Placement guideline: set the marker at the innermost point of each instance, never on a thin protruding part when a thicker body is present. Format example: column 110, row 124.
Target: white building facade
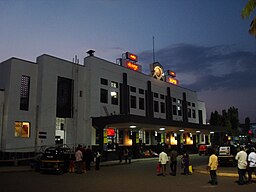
column 98, row 103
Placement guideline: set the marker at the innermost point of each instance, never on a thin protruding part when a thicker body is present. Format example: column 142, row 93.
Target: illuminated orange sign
column 173, row 81
column 132, row 66
column 171, row 73
column 131, row 56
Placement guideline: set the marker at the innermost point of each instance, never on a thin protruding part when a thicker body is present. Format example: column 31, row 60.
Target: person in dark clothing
column 120, row 154
column 97, row 160
column 88, row 158
column 126, row 154
column 173, row 162
column 185, row 163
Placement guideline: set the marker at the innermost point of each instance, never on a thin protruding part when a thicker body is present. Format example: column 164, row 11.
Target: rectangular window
column 103, row 96
column 174, row 110
column 189, row 113
column 174, row 100
column 141, row 91
column 65, row 97
column 162, row 104
column 156, row 106
column 114, row 98
column 22, row 129
column 194, row 113
column 133, row 89
column 133, row 102
column 141, row 103
column 156, row 95
column 114, row 84
column 161, row 96
column 103, row 81
column 189, row 104
column 179, row 101
column 24, row 92
column 179, row 111
column 193, row 104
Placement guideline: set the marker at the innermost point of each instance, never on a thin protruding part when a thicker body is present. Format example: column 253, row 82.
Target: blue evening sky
column 206, row 42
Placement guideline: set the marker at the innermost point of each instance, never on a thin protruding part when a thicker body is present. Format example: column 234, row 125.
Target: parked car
column 203, row 150
column 56, row 159
column 226, row 155
column 150, row 153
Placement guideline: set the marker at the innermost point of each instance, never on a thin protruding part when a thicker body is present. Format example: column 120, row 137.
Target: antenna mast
column 153, row 49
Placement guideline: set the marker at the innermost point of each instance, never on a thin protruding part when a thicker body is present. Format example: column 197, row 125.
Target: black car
column 226, row 155
column 56, row 159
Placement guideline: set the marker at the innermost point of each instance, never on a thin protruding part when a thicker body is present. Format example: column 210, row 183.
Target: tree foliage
column 247, row 12
column 229, row 120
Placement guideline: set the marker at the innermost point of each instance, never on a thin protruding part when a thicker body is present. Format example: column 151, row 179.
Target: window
column 156, row 106
column 179, row 111
column 161, row 96
column 156, row 95
column 193, row 104
column 22, row 129
column 174, row 100
column 179, row 101
column 133, row 102
column 193, row 113
column 114, row 98
column 189, row 104
column 189, row 112
column 103, row 81
column 103, row 96
column 174, row 110
column 65, row 95
column 141, row 91
column 24, row 92
column 141, row 103
column 162, row 104
column 133, row 89
column 114, row 84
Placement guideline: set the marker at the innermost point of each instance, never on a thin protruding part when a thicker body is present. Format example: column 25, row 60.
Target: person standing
column 252, row 164
column 125, row 155
column 241, row 158
column 79, row 159
column 185, row 163
column 173, row 162
column 212, row 166
column 163, row 160
column 97, row 160
column 88, row 158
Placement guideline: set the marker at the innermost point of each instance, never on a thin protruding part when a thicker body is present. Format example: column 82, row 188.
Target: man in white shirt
column 241, row 158
column 163, row 160
column 252, row 164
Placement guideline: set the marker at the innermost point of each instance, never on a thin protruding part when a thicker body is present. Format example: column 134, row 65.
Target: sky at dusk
column 205, row 42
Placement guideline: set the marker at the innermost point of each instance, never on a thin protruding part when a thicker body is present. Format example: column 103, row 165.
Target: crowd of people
column 165, row 158
column 84, row 157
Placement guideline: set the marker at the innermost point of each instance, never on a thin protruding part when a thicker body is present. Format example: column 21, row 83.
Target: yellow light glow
column 132, row 66
column 173, row 81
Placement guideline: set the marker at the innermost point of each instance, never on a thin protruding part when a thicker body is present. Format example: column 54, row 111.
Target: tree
column 247, row 125
column 229, row 120
column 247, row 12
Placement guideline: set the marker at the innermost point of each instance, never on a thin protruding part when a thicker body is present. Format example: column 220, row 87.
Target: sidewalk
column 222, row 171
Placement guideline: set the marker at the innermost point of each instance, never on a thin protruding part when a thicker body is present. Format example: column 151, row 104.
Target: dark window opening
column 24, row 92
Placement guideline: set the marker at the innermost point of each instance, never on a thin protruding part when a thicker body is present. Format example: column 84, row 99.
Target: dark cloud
column 207, row 68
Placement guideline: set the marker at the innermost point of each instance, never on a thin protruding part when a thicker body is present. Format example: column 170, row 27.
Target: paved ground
column 139, row 176
column 222, row 171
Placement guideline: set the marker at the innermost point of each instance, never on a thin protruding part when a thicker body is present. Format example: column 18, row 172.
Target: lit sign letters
column 131, row 56
column 132, row 66
column 171, row 73
column 173, row 81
